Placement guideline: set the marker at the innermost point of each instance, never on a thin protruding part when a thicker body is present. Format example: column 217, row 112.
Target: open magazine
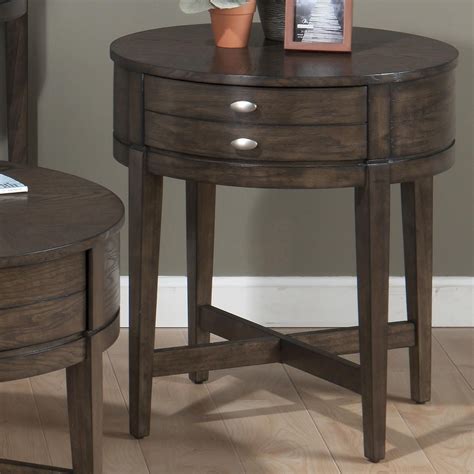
column 9, row 185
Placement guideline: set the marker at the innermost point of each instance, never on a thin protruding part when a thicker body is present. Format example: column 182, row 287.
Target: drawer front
column 42, row 302
column 274, row 106
column 42, row 322
column 30, row 284
column 274, row 143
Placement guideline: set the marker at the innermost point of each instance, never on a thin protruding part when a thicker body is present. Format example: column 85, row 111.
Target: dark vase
column 272, row 16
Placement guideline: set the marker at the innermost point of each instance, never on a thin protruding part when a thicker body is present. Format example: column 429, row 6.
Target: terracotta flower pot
column 231, row 26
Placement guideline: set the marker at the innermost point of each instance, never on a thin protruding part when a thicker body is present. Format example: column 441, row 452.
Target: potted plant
column 231, row 19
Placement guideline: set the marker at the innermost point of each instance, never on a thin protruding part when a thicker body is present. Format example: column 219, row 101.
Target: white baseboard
column 306, row 301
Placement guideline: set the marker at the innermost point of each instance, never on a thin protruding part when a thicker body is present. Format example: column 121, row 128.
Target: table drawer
column 43, row 321
column 274, row 143
column 285, row 106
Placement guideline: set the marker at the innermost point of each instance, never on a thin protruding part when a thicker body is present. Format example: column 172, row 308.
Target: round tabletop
column 378, row 56
column 60, row 214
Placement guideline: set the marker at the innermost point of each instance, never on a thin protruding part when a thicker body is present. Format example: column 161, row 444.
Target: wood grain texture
column 372, row 210
column 284, row 175
column 26, row 285
column 379, row 125
column 337, row 341
column 274, row 106
column 378, row 56
column 200, row 225
column 254, row 412
column 459, row 345
column 443, row 427
column 122, row 454
column 282, row 143
column 337, row 415
column 267, row 422
column 13, row 467
column 111, row 283
column 145, row 201
column 422, row 115
column 42, row 322
column 41, row 359
column 398, row 128
column 185, row 436
column 60, row 304
column 249, row 173
column 66, row 215
column 16, row 34
column 21, row 433
column 417, row 211
column 84, row 380
column 301, row 355
column 212, row 356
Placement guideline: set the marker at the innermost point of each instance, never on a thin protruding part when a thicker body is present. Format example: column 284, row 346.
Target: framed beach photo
column 319, row 25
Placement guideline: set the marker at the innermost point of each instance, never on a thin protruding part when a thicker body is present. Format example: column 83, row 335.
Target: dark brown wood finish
column 59, row 296
column 417, row 207
column 378, row 56
column 381, row 115
column 145, row 200
column 84, row 380
column 282, row 143
column 372, row 216
column 337, row 341
column 200, row 217
column 296, row 353
column 14, row 467
column 346, row 105
column 422, row 115
column 372, row 242
column 14, row 14
column 12, row 9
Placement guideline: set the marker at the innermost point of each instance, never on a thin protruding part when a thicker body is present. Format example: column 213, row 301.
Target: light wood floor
column 267, row 419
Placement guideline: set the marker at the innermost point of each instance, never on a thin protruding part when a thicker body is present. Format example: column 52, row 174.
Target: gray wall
column 259, row 232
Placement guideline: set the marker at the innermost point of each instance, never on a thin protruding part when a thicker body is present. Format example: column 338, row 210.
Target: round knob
column 244, row 144
column 243, row 106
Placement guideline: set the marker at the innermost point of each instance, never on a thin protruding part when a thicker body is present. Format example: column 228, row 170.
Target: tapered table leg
column 417, row 207
column 85, row 406
column 84, row 380
column 17, row 89
column 145, row 201
column 372, row 237
column 200, row 218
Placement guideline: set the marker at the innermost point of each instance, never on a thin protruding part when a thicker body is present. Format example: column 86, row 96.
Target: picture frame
column 319, row 25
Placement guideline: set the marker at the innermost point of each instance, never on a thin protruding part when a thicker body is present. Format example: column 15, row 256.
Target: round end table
column 270, row 118
column 60, row 295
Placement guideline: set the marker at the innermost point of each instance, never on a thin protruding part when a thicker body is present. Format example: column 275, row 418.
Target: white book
column 9, row 185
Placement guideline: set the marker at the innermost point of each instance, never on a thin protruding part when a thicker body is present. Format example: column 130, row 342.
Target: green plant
column 197, row 6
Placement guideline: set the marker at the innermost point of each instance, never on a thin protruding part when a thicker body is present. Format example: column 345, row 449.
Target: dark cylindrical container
column 272, row 16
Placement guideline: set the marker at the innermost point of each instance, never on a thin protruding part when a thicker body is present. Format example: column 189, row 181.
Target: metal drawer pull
column 244, row 144
column 243, row 106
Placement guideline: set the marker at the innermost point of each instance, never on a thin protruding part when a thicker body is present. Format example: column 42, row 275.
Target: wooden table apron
column 60, row 296
column 381, row 115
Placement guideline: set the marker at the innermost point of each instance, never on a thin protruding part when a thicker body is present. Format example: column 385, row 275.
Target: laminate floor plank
column 443, row 427
column 263, row 419
column 458, row 343
column 186, row 437
column 122, row 454
column 21, row 433
column 338, row 415
column 267, row 421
